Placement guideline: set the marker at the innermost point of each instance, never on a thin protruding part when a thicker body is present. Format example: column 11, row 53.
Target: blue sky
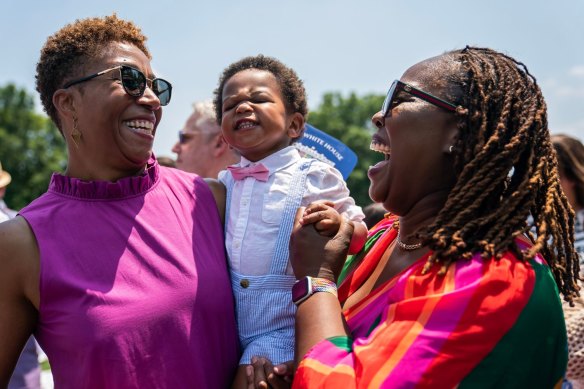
column 336, row 45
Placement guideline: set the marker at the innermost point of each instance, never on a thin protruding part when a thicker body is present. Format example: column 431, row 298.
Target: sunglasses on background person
column 183, row 137
column 134, row 82
column 398, row 86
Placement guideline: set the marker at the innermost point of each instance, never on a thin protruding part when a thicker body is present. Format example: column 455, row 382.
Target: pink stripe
column 376, row 229
column 330, row 355
column 523, row 244
column 362, row 321
column 443, row 321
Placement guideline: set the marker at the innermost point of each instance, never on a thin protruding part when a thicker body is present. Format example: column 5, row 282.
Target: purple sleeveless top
column 134, row 288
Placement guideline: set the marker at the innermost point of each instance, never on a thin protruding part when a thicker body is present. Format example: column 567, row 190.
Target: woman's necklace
column 402, row 245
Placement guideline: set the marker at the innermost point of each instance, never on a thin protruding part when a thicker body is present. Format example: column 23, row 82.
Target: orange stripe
column 323, row 369
column 482, row 308
column 363, row 304
column 390, row 316
column 362, row 272
column 418, row 327
column 355, row 309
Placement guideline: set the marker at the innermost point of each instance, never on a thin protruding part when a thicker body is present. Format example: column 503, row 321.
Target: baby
column 261, row 106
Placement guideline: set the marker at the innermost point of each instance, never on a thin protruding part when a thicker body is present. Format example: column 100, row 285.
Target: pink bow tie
column 259, row 172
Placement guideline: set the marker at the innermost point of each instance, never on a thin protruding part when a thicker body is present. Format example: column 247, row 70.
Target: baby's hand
column 324, row 216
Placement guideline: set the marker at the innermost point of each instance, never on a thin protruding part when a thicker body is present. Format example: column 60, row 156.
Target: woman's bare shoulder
column 219, row 193
column 216, row 186
column 16, row 234
column 19, row 258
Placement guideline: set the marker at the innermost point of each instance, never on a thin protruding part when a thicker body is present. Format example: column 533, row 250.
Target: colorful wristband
column 307, row 286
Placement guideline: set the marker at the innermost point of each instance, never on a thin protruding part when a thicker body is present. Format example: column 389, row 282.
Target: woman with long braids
column 451, row 289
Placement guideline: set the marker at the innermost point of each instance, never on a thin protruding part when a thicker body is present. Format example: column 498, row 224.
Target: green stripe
column 374, row 325
column 342, row 342
column 353, row 260
column 534, row 353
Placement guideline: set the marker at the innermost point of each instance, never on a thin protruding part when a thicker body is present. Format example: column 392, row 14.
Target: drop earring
column 76, row 134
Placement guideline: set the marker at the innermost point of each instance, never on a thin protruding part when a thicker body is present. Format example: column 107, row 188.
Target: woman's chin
column 376, row 194
column 139, row 158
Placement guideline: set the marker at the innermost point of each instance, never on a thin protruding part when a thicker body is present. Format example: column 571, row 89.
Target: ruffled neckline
column 105, row 190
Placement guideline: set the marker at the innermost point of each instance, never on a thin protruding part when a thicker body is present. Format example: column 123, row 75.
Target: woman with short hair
column 119, row 268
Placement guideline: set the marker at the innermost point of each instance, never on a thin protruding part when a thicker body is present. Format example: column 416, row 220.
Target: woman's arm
column 19, row 292
column 319, row 317
column 220, row 194
column 311, row 254
column 472, row 325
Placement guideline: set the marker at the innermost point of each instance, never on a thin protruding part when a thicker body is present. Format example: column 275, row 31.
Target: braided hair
column 507, row 175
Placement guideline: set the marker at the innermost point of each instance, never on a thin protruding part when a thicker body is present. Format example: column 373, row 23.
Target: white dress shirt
column 5, row 212
column 256, row 208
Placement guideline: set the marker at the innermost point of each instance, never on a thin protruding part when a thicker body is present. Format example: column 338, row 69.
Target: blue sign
column 320, row 145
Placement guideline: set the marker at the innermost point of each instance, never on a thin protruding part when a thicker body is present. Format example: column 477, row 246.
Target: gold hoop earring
column 76, row 134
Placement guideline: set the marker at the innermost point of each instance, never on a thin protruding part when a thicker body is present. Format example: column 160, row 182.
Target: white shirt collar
column 277, row 161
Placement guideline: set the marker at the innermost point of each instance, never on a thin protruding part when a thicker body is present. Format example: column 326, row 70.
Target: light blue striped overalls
column 265, row 312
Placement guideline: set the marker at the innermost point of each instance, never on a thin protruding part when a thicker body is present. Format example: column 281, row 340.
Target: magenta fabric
column 134, row 289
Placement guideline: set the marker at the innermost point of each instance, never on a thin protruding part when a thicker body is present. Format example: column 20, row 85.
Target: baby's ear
column 296, row 125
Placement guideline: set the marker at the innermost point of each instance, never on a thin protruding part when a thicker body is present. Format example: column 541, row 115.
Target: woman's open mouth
column 380, row 148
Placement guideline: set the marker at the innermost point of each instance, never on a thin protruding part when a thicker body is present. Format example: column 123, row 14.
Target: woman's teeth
column 143, row 126
column 380, row 148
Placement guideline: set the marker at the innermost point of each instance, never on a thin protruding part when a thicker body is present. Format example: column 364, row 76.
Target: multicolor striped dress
column 486, row 323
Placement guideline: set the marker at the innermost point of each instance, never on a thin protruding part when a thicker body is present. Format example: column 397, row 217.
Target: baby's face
column 255, row 121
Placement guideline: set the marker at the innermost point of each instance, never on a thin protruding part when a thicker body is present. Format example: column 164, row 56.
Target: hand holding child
column 324, row 216
column 327, row 221
column 261, row 374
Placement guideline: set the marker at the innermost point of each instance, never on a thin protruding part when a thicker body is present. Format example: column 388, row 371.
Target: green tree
column 349, row 120
column 31, row 147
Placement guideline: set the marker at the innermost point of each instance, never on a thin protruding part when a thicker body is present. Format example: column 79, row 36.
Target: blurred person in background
column 166, row 161
column 374, row 213
column 5, row 212
column 570, row 153
column 201, row 148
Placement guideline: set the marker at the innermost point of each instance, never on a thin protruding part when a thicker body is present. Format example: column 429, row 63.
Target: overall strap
column 293, row 201
column 229, row 190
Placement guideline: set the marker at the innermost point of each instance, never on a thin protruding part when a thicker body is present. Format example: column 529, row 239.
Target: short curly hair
column 72, row 46
column 292, row 88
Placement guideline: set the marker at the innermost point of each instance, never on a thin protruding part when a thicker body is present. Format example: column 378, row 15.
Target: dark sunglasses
column 398, row 86
column 182, row 137
column 134, row 82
